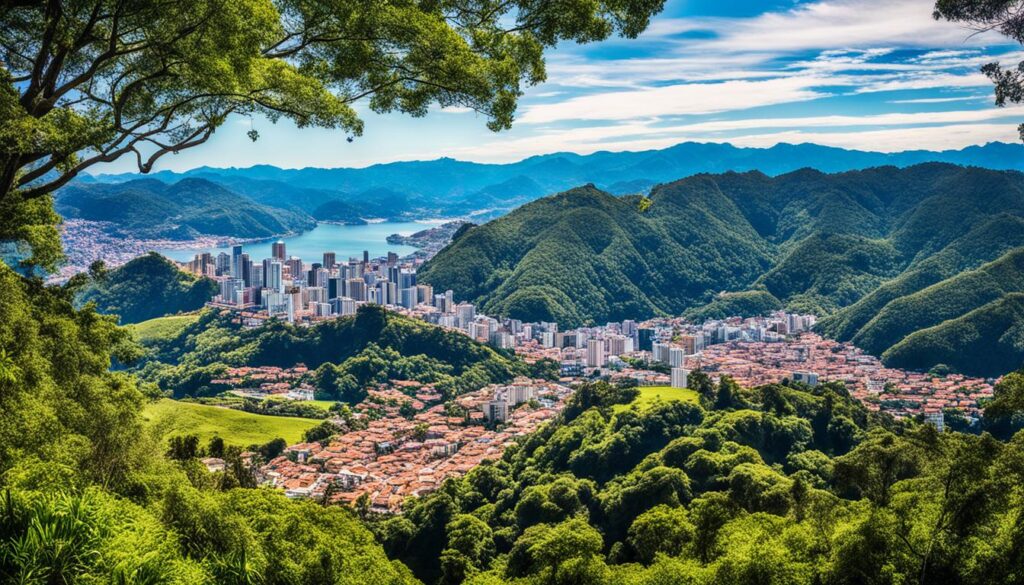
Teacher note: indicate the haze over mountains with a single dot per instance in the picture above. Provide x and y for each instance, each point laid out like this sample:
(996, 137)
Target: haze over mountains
(449, 188)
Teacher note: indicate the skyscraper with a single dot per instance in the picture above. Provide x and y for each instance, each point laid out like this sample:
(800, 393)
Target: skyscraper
(595, 353)
(277, 250)
(275, 277)
(366, 256)
(330, 259)
(236, 262)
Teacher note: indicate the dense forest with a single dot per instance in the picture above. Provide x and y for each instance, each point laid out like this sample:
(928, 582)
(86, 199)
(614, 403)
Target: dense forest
(146, 287)
(347, 354)
(779, 484)
(858, 247)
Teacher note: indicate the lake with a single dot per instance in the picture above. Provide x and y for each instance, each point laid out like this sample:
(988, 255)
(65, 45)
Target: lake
(345, 240)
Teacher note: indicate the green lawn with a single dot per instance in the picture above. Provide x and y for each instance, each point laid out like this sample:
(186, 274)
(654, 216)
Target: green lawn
(173, 417)
(650, 394)
(161, 327)
(324, 405)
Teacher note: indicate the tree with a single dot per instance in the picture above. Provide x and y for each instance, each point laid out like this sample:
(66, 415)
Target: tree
(1004, 16)
(88, 82)
(183, 448)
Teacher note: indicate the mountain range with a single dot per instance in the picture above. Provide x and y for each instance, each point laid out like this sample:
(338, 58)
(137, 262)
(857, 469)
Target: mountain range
(452, 188)
(885, 254)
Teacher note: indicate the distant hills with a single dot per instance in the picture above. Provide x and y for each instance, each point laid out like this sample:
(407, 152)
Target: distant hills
(182, 210)
(148, 286)
(862, 247)
(451, 188)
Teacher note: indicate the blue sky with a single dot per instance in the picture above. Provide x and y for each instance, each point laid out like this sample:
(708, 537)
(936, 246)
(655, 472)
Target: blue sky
(869, 74)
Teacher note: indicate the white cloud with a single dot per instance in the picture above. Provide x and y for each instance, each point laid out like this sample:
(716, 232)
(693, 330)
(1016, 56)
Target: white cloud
(893, 140)
(833, 24)
(672, 100)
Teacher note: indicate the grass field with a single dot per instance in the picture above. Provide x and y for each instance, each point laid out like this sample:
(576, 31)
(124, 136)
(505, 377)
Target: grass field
(161, 327)
(650, 394)
(173, 417)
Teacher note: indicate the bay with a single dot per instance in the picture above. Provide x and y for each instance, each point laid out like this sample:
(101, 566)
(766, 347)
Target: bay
(345, 240)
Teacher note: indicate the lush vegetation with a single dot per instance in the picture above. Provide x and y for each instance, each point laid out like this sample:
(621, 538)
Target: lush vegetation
(970, 321)
(347, 354)
(750, 303)
(178, 418)
(982, 342)
(153, 330)
(145, 288)
(859, 247)
(648, 396)
(148, 208)
(86, 494)
(778, 484)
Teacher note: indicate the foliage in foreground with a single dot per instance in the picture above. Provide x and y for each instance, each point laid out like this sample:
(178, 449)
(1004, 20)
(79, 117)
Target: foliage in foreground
(776, 485)
(86, 495)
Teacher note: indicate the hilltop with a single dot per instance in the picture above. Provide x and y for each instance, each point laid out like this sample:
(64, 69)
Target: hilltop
(845, 245)
(149, 208)
(147, 287)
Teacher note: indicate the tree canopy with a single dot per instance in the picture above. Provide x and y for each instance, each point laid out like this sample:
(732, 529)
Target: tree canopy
(89, 81)
(1003, 16)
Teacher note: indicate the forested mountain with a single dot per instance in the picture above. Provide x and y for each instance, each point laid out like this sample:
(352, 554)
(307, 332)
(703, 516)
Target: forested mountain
(182, 210)
(148, 286)
(450, 188)
(845, 245)
(348, 354)
(777, 484)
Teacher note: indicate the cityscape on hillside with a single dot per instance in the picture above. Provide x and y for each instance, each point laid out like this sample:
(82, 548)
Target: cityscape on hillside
(754, 351)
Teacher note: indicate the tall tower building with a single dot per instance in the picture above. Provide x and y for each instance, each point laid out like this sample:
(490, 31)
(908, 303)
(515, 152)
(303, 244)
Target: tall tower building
(236, 262)
(277, 250)
(330, 259)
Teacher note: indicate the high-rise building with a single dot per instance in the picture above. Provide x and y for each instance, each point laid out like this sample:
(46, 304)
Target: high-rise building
(236, 262)
(366, 257)
(277, 250)
(294, 265)
(680, 378)
(465, 312)
(424, 293)
(645, 336)
(330, 259)
(356, 289)
(275, 277)
(676, 355)
(809, 378)
(392, 258)
(246, 274)
(334, 286)
(223, 264)
(595, 353)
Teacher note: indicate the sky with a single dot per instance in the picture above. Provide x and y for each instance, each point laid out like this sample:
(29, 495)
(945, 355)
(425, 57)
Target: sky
(879, 75)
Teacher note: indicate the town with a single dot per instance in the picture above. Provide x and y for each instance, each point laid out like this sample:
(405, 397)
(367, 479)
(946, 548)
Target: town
(405, 441)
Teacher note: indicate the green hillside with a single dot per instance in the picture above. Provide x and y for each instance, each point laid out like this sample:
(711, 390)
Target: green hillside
(147, 287)
(346, 354)
(173, 417)
(730, 304)
(772, 485)
(942, 301)
(982, 342)
(189, 208)
(842, 246)
(153, 330)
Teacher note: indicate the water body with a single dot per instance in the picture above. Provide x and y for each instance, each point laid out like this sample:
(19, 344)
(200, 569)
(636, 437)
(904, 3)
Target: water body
(345, 240)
